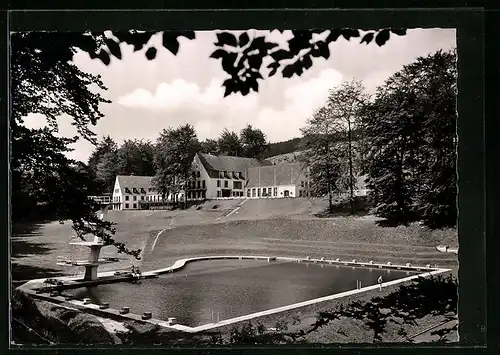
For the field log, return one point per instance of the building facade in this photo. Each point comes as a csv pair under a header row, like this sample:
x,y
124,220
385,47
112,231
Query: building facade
x,y
277,181
215,177
130,191
237,177
219,176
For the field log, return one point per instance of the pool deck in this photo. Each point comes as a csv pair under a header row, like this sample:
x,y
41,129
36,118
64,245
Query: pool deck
x,y
39,289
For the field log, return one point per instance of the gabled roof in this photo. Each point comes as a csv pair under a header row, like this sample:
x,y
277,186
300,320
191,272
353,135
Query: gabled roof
x,y
133,181
275,175
228,163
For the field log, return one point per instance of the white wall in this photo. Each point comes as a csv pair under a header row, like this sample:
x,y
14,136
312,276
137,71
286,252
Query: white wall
x,y
210,184
292,189
117,196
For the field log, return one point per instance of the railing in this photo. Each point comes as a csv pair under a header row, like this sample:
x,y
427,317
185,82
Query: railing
x,y
101,199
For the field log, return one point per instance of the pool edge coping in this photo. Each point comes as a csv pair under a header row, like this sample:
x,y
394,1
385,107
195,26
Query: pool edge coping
x,y
180,264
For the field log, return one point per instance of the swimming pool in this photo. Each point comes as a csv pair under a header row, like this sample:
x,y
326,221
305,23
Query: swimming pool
x,y
209,291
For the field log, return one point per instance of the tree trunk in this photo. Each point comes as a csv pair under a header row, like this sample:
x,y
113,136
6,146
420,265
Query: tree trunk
x,y
330,197
351,175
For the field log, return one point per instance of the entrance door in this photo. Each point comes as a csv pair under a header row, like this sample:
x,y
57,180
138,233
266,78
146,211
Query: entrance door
x,y
286,193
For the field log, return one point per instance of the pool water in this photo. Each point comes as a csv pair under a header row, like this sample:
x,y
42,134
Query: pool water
x,y
205,291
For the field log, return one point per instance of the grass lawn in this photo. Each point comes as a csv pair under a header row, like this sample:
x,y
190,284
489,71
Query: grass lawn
x,y
282,227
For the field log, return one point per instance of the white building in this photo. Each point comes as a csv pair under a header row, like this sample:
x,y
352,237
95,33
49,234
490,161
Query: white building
x,y
130,191
229,177
277,181
217,177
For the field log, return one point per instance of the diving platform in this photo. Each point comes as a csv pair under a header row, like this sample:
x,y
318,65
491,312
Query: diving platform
x,y
93,261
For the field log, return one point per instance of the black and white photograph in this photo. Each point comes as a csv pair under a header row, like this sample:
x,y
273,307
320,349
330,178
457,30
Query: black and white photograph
x,y
225,188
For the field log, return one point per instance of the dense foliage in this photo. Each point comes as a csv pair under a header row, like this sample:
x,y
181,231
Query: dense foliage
x,y
410,132
45,183
174,154
132,157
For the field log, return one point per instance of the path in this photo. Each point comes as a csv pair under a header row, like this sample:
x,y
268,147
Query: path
x,y
170,226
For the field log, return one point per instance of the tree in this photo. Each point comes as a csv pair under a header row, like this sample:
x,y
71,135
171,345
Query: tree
x,y
410,129
46,83
321,155
174,153
241,58
253,142
229,143
100,159
136,157
344,104
209,146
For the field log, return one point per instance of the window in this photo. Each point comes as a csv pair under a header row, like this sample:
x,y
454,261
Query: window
x,y
275,191
127,190
258,192
135,205
203,194
237,185
198,174
248,192
199,184
218,183
300,193
226,183
134,198
269,191
253,192
203,184
126,198
117,191
218,193
126,205
135,190
142,198
302,184
221,174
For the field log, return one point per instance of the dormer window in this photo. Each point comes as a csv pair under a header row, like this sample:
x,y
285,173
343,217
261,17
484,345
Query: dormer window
x,y
134,190
143,191
127,190
221,174
241,176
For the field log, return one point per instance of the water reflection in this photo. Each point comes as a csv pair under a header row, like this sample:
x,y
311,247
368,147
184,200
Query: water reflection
x,y
232,288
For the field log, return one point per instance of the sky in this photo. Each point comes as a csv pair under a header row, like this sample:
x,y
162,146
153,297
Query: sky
x,y
149,96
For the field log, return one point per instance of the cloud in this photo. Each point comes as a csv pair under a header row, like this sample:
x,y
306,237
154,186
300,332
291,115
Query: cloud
x,y
206,109
301,100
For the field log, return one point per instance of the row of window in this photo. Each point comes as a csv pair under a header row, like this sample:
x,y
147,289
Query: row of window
x,y
200,184
196,194
237,185
231,175
234,194
134,190
134,198
266,191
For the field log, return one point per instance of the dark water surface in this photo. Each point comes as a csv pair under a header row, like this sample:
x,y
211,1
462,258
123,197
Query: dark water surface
x,y
232,288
